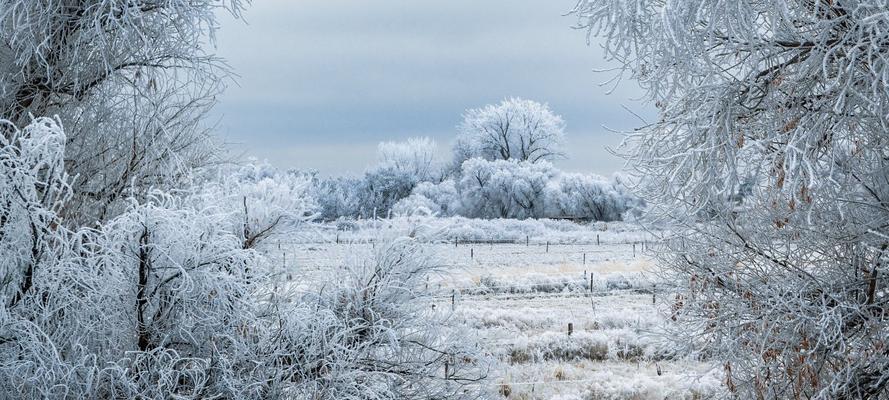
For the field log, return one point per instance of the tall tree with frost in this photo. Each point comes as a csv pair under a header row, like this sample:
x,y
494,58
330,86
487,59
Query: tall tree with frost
x,y
771,152
515,129
131,81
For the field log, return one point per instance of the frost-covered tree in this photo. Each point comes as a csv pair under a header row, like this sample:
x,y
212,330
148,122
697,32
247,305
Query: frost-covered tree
x,y
514,129
504,188
770,156
336,197
587,197
371,196
381,188
513,189
400,168
131,81
415,156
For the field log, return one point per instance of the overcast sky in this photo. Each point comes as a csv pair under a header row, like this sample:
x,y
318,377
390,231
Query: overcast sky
x,y
321,82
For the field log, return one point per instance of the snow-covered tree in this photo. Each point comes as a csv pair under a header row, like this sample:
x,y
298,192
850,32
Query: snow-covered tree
x,y
131,81
400,168
372,195
415,156
504,188
514,129
587,197
381,188
515,189
336,197
770,156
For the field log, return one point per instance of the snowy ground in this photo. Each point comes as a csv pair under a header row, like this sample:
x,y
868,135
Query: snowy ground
x,y
519,298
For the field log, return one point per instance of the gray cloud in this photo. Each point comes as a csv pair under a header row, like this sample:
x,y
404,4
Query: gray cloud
x,y
322,81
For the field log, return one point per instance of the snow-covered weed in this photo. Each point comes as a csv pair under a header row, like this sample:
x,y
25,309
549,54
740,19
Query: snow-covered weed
x,y
607,385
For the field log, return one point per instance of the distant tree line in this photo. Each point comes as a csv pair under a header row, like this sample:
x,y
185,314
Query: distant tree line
x,y
500,169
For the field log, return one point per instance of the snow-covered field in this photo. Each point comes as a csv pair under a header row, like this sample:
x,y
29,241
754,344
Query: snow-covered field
x,y
520,287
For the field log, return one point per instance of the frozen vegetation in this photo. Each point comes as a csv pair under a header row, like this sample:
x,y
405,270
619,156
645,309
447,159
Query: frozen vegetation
x,y
484,179
768,158
743,256
515,298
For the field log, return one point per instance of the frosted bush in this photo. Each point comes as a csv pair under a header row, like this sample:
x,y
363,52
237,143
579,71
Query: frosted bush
x,y
166,301
152,296
258,200
416,205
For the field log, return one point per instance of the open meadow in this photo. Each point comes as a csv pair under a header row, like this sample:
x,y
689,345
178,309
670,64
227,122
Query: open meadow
x,y
562,311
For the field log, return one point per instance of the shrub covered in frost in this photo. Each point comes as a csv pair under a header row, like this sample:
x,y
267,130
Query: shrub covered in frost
x,y
166,301
257,199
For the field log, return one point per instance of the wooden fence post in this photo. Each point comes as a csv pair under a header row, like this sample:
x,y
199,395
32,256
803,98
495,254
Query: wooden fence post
x,y
570,328
597,239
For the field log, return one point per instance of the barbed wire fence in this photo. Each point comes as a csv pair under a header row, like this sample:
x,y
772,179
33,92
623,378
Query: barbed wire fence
x,y
307,259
